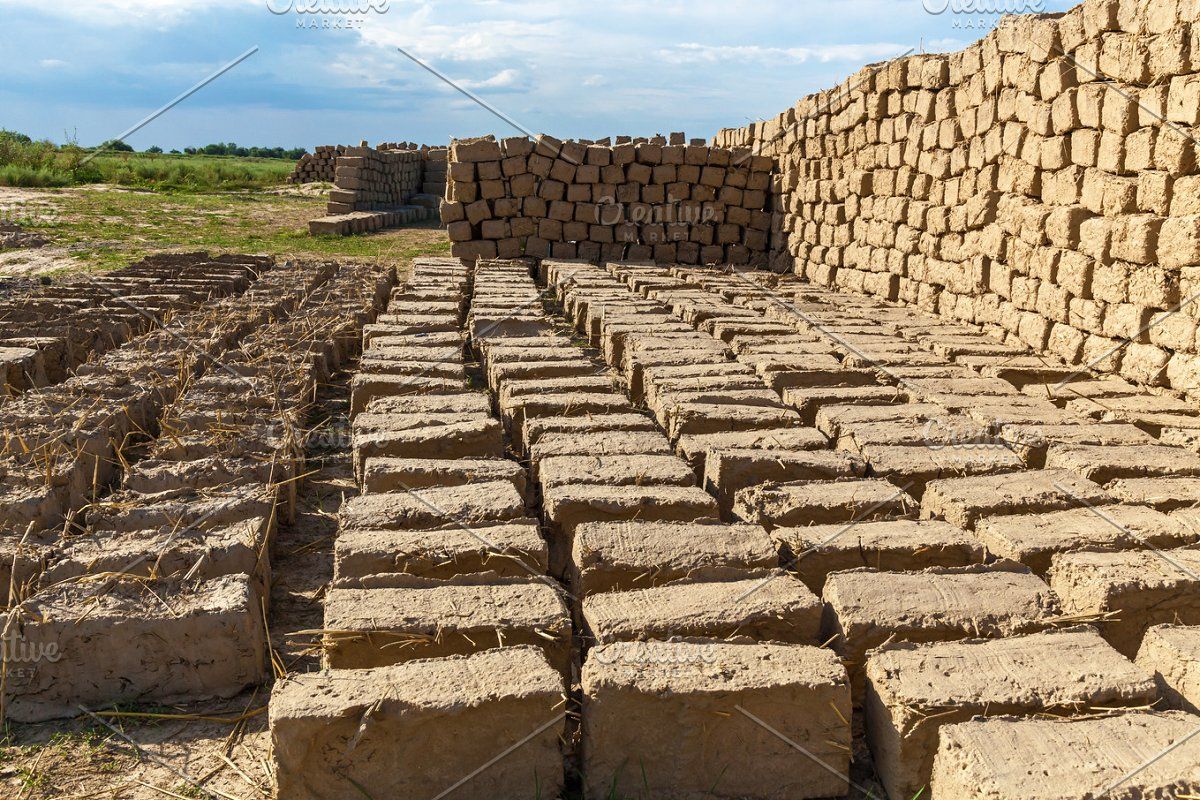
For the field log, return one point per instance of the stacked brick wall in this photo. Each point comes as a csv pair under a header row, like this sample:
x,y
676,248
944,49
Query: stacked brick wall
x,y
637,199
317,165
1042,182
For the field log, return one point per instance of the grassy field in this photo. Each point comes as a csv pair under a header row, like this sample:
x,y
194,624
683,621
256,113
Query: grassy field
x,y
100,228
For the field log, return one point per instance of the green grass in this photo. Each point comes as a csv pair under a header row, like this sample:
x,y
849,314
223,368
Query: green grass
x,y
46,165
105,228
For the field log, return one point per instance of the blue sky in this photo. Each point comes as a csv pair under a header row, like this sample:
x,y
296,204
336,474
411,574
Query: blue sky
x,y
90,69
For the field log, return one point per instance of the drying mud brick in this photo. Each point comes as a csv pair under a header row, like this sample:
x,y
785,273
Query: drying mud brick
x,y
727,472
438,507
514,550
568,505
611,556
122,645
769,606
819,503
1119,757
737,694
815,551
963,501
1129,591
694,448
380,626
1034,539
400,474
1103,464
864,608
432,723
1165,494
1172,653
916,466
614,470
915,689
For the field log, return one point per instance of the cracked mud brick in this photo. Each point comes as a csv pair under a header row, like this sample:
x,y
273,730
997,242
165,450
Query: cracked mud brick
x,y
632,691
398,474
404,618
491,501
608,556
817,503
1103,757
727,472
963,501
915,689
418,729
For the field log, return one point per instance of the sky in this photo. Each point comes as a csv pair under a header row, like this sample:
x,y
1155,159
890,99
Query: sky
x,y
332,71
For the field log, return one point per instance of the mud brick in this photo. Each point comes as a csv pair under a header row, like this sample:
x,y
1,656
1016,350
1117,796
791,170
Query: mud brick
x,y
611,556
865,608
399,474
597,442
433,722
899,545
912,692
406,618
517,411
816,503
568,505
830,420
1032,441
1103,464
628,698
727,471
631,422
482,438
1130,591
1006,756
442,507
915,466
513,549
697,418
1165,494
1034,539
809,400
1171,653
767,606
462,402
364,387
124,646
614,470
963,501
696,447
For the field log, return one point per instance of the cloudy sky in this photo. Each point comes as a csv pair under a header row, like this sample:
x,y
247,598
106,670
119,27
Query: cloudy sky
x,y
90,69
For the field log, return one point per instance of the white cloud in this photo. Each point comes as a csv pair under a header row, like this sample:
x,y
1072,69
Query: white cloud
x,y
157,13
52,63
504,79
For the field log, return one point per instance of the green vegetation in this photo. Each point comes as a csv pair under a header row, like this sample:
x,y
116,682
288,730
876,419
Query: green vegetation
x,y
218,167
108,228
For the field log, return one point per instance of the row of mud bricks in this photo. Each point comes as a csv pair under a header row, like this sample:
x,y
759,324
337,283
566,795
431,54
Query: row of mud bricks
x,y
46,334
678,532
143,577
1044,181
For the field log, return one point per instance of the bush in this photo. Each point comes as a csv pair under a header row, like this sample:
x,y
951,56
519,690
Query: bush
x,y
154,149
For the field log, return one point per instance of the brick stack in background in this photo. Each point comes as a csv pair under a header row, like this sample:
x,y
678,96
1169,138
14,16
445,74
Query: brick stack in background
x,y
375,189
1042,183
638,199
436,165
317,165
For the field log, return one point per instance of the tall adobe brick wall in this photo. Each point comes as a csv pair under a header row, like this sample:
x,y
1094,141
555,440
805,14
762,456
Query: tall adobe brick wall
x,y
1043,182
